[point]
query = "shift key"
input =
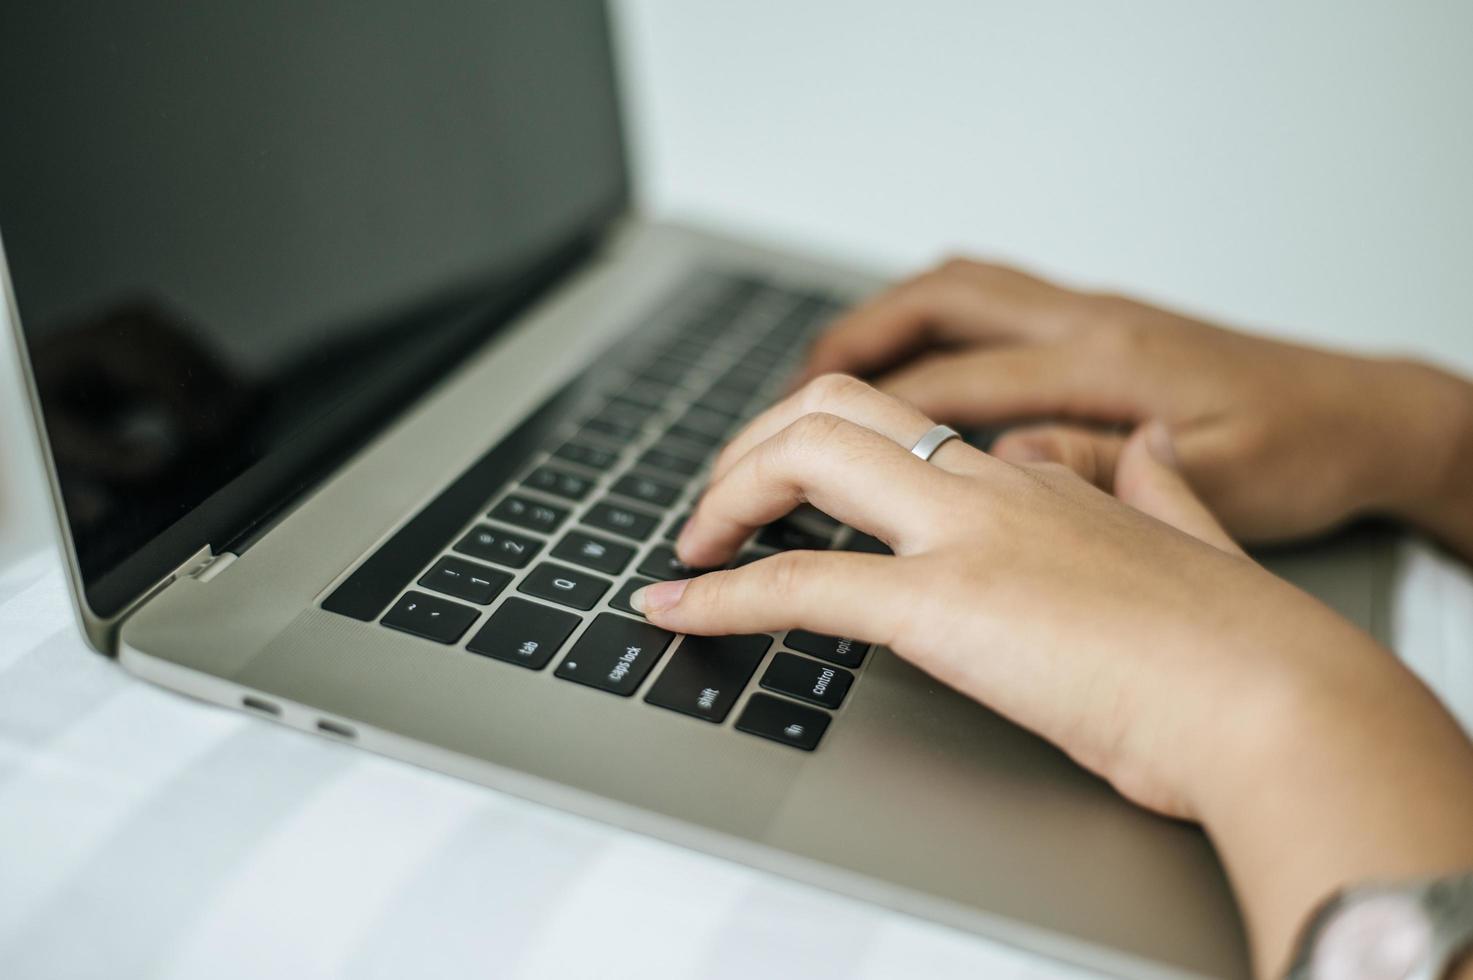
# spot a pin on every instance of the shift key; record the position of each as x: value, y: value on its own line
x: 707, y: 674
x: 615, y: 654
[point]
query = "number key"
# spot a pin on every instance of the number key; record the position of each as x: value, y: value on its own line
x: 465, y: 580
x: 649, y: 491
x: 621, y: 520
x: 559, y: 483
x: 529, y: 514
x: 594, y: 459
x: 502, y: 547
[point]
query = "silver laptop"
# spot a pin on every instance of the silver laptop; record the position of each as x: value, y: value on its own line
x: 367, y: 399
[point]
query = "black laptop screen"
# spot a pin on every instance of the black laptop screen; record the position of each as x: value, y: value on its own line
x: 242, y: 235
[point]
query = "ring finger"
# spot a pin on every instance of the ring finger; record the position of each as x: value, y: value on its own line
x: 852, y: 399
x: 845, y: 469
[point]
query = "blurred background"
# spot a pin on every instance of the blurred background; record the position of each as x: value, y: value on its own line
x: 1305, y: 167
x: 1300, y: 168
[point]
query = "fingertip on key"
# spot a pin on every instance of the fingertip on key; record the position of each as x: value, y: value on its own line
x: 659, y: 596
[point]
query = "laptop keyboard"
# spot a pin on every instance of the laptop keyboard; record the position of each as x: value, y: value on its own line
x: 601, y: 481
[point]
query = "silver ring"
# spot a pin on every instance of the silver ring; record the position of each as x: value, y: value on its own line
x: 933, y: 440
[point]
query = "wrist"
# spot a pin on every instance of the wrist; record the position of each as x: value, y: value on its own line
x: 1350, y: 771
x: 1422, y: 470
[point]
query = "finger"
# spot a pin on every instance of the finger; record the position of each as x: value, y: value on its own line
x: 985, y: 386
x: 1091, y: 453
x: 961, y: 301
x: 849, y: 472
x: 846, y: 397
x: 840, y: 593
x: 1148, y: 478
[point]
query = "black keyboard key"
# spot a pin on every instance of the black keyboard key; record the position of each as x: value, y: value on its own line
x: 859, y: 541
x: 703, y: 419
x: 646, y: 490
x: 625, y: 521
x: 696, y: 437
x: 661, y: 563
x: 662, y: 461
x: 558, y: 482
x: 783, y: 721
x: 502, y: 547
x: 524, y: 633
x: 589, y: 456
x: 529, y: 514
x: 676, y: 526
x: 685, y: 350
x: 565, y: 586
x: 465, y: 580
x: 650, y: 394
x: 593, y: 552
x: 788, y: 536
x: 683, y: 448
x: 626, y: 413
x: 706, y: 675
x: 725, y: 400
x: 809, y: 516
x: 764, y: 358
x: 747, y: 557
x: 741, y: 378
x: 615, y: 654
x: 608, y: 429
x: 807, y: 680
x: 430, y: 617
x: 621, y: 598
x: 835, y: 649
x: 664, y: 372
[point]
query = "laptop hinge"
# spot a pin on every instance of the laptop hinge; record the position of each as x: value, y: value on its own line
x: 210, y: 566
x: 201, y: 566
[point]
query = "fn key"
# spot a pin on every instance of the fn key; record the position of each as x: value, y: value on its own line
x: 783, y: 721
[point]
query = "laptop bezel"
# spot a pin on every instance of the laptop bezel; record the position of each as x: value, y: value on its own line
x: 231, y: 519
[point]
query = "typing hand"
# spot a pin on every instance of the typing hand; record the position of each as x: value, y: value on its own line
x: 1281, y: 441
x: 1138, y: 640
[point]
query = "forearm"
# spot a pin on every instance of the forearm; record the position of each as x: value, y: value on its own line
x: 1365, y: 781
x: 1433, y: 488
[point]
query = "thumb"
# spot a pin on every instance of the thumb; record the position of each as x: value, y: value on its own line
x: 1148, y: 478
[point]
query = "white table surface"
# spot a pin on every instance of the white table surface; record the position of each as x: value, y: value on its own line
x: 145, y: 834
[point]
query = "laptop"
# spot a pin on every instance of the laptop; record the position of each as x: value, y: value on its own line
x: 367, y: 397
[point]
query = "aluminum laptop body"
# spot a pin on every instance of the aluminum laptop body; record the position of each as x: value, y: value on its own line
x: 282, y: 600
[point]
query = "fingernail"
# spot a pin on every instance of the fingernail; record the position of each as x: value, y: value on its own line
x: 1158, y: 442
x: 659, y: 596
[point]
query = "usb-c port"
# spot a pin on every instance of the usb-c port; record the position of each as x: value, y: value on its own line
x: 262, y: 705
x: 335, y: 728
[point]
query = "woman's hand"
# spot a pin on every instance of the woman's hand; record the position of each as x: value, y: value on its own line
x: 1280, y: 441
x: 1147, y: 647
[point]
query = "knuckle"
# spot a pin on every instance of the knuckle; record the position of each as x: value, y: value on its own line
x: 1120, y: 339
x: 813, y: 431
x: 832, y: 390
x: 923, y: 286
x: 787, y: 572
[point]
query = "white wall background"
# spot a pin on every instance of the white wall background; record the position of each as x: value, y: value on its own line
x: 1302, y: 167
x: 1305, y: 167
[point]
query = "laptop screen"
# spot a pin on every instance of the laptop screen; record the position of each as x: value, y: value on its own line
x: 241, y: 236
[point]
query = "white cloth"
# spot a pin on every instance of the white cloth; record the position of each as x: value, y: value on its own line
x: 146, y: 835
